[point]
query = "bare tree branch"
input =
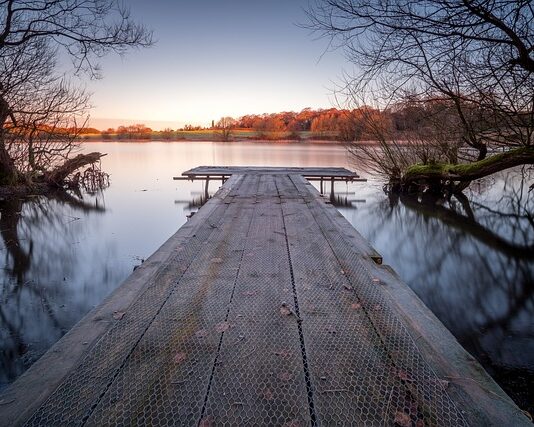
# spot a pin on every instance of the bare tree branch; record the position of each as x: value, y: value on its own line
x: 41, y: 111
x: 469, y: 64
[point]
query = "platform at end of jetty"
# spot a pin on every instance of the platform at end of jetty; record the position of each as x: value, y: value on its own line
x: 266, y: 308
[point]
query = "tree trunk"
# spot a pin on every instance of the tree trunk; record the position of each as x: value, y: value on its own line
x: 441, y: 175
x: 57, y: 176
x: 482, y: 152
x: 8, y: 171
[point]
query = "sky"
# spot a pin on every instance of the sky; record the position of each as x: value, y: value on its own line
x: 215, y: 58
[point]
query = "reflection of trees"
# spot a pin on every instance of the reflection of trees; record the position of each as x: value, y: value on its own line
x: 37, y: 247
x: 511, y: 271
x: 10, y: 212
x: 18, y: 216
x: 36, y: 213
x: 467, y: 223
x: 471, y: 260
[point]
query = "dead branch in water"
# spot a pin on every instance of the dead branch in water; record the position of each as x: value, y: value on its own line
x: 58, y: 176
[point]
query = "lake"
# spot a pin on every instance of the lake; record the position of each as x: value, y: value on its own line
x: 471, y: 261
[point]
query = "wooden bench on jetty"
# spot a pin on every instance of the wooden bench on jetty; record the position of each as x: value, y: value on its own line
x: 266, y: 308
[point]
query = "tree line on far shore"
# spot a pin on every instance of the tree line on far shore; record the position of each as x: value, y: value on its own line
x: 329, y: 124
x: 324, y: 124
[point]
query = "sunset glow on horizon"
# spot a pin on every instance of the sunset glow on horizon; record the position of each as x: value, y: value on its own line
x: 212, y: 60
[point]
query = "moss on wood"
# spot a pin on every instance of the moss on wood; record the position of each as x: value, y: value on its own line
x: 470, y: 171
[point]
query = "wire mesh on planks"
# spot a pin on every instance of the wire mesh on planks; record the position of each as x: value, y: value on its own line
x: 267, y: 316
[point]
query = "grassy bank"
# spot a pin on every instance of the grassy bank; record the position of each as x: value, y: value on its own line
x: 214, y: 135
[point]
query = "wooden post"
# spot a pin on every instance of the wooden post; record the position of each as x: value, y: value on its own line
x: 331, y: 187
x: 206, y: 194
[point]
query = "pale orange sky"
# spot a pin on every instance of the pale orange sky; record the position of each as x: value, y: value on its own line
x: 214, y: 59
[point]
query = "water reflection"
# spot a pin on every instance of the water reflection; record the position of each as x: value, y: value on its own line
x: 196, y: 201
x: 471, y: 260
x: 343, y: 201
x: 468, y: 223
x: 43, y: 284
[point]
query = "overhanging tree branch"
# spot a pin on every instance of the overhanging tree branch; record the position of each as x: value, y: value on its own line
x: 40, y: 110
x: 469, y: 64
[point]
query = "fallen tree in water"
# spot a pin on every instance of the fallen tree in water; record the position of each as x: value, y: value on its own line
x: 82, y: 172
x: 436, y: 177
x: 433, y: 156
x: 58, y: 176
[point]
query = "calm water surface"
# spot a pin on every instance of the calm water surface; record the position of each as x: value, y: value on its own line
x: 472, y: 263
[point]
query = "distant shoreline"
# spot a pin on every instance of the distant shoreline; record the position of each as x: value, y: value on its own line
x: 237, y: 135
x: 99, y: 139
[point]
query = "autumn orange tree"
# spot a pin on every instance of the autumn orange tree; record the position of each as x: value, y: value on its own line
x: 343, y: 125
x: 225, y: 127
x: 135, y: 131
x: 37, y: 102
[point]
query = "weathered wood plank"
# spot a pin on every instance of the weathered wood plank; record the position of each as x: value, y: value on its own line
x: 259, y: 377
x: 32, y: 389
x: 418, y: 394
x: 438, y: 354
x: 170, y: 368
x: 352, y: 375
x: 72, y: 402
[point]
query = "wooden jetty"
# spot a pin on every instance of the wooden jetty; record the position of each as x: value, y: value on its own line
x: 266, y: 308
x: 221, y: 173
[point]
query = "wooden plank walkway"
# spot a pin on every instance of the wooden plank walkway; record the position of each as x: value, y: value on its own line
x: 265, y: 309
